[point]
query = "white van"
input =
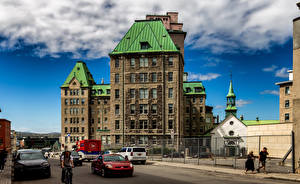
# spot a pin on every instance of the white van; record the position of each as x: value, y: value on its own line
x: 134, y: 154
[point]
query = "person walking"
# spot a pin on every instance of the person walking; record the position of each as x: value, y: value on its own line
x: 249, y: 165
x: 262, y: 159
x: 2, y: 160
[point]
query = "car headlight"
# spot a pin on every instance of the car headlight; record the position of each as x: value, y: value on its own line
x: 131, y: 165
x: 45, y: 164
x: 109, y: 166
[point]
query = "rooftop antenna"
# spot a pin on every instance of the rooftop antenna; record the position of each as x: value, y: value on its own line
x: 231, y: 75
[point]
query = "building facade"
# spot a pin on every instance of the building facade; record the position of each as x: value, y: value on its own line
x: 148, y: 97
x: 286, y: 96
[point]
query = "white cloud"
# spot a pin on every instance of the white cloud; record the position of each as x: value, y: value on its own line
x: 241, y: 102
x: 92, y: 28
x: 270, y: 69
x: 202, y: 77
x: 270, y: 92
x: 282, y: 73
x: 219, y: 107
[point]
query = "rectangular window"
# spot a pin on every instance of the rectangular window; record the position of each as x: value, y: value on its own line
x: 82, y: 92
x: 201, y: 99
x: 132, y: 124
x: 82, y: 120
x: 66, y: 101
x: 287, y: 90
x: 187, y: 109
x: 143, y: 62
x: 66, y: 92
x: 143, y: 77
x: 66, y: 129
x: 143, y: 109
x: 170, y: 94
x: 108, y: 92
x: 287, y: 104
x: 194, y: 110
x: 154, y: 124
x: 117, y: 124
x: 66, y: 139
x: 154, y: 61
x: 117, y: 139
x: 71, y: 92
x: 154, y: 93
x: 143, y: 124
x: 82, y: 110
x: 197, y: 89
x: 143, y: 93
x: 66, y: 120
x: 82, y: 101
x: 117, y: 109
x: 132, y: 62
x: 170, y: 76
x: 170, y: 124
x: 132, y: 77
x: 132, y: 93
x: 154, y: 77
x: 132, y: 108
x: 117, y: 76
x: 287, y: 117
x: 117, y: 63
x: 170, y: 63
x: 117, y: 93
x: 154, y: 109
x: 170, y: 108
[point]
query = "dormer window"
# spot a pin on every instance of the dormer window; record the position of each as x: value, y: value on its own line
x: 100, y: 92
x: 188, y: 90
x: 145, y: 45
x: 108, y: 91
x: 197, y: 89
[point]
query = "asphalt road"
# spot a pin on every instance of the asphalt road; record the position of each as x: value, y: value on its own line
x: 149, y: 174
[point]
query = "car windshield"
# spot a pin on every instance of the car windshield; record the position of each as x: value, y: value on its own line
x: 139, y: 150
x: 74, y: 153
x: 114, y: 158
x: 31, y: 156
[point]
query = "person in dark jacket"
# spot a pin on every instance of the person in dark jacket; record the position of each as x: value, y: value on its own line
x: 262, y: 159
x: 2, y: 159
x: 249, y: 165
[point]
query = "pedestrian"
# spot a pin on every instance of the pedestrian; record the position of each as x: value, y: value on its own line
x: 262, y: 159
x: 2, y: 159
x: 249, y: 165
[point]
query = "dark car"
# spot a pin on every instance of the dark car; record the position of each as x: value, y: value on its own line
x: 30, y: 162
x: 76, y: 158
x: 112, y: 164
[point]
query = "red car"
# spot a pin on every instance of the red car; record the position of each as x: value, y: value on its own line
x: 112, y: 164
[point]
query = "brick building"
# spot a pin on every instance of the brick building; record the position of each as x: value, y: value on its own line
x: 148, y: 97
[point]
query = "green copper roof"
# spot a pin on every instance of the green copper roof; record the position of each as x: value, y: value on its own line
x: 189, y: 88
x: 100, y: 90
x: 230, y: 92
x: 260, y: 122
x: 82, y: 74
x: 151, y: 32
x: 230, y: 107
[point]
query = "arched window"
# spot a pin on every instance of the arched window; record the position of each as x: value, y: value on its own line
x: 231, y: 133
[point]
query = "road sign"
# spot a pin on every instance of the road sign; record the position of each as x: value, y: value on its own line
x: 69, y: 135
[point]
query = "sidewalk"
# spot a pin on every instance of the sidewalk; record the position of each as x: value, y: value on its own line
x: 287, y: 177
x: 5, y: 175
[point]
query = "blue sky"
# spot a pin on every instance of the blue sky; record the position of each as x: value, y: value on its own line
x: 38, y: 50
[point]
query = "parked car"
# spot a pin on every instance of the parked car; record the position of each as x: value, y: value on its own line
x: 111, y: 164
x: 76, y: 158
x: 134, y: 154
x: 28, y: 161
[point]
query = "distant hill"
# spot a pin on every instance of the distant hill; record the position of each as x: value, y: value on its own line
x: 32, y: 134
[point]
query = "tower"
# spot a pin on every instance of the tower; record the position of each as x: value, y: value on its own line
x: 230, y: 105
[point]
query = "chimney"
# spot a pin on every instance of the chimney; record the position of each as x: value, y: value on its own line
x: 257, y: 118
x: 174, y: 16
x: 185, y: 76
x: 242, y: 117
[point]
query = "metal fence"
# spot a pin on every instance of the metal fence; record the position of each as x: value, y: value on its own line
x: 223, y: 151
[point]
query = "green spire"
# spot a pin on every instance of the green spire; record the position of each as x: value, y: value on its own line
x: 230, y: 91
x: 230, y: 106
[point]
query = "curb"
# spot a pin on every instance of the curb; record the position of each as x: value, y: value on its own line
x: 226, y: 171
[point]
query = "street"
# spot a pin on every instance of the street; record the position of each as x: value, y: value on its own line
x: 150, y: 174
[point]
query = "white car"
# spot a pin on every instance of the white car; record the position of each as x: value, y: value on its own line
x: 134, y: 154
